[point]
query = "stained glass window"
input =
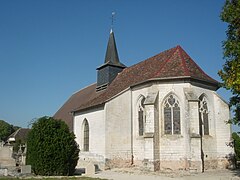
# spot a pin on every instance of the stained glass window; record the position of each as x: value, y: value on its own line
x: 141, y: 118
x: 172, y: 123
x: 203, y: 109
x: 86, y: 136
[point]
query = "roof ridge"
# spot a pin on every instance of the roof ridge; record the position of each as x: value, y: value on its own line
x: 84, y: 88
x: 172, y: 53
x: 149, y: 58
x: 186, y: 70
x: 201, y: 70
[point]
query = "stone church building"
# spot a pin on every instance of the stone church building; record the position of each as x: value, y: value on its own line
x: 159, y: 114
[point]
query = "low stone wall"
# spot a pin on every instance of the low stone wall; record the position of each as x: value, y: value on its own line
x: 15, y: 170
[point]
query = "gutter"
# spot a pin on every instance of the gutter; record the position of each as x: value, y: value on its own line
x: 214, y: 86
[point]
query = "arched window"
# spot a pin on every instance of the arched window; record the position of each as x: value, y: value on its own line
x: 85, y: 135
x: 203, y: 115
x: 141, y: 117
x: 172, y: 122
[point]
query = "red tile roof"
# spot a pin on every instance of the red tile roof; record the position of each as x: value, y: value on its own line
x: 20, y: 134
x: 169, y: 65
x: 78, y: 98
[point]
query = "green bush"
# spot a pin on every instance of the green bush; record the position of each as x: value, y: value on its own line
x: 236, y: 139
x: 51, y: 148
x: 6, y: 130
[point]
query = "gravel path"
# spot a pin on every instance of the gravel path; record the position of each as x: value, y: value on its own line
x: 123, y: 174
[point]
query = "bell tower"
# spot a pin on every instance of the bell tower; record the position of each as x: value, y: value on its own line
x: 107, y: 72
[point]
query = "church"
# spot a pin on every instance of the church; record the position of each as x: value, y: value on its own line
x: 162, y: 113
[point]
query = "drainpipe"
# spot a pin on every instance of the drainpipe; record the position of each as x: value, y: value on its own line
x: 201, y: 140
x: 132, y: 157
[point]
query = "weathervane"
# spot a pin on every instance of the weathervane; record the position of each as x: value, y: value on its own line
x: 113, y: 18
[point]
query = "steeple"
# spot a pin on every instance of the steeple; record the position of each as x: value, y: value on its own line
x: 111, y: 56
x: 111, y: 67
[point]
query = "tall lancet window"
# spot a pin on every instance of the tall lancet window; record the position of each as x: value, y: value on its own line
x: 172, y: 122
x: 141, y: 117
x: 203, y: 115
x: 85, y: 135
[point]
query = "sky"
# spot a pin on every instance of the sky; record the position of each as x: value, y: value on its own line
x: 50, y: 49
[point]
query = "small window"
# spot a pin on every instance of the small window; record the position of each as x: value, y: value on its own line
x: 141, y: 117
x: 86, y: 136
x: 203, y: 115
x: 172, y: 123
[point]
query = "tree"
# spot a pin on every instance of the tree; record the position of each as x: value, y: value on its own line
x: 6, y: 130
x: 51, y: 148
x: 230, y: 74
x: 236, y: 144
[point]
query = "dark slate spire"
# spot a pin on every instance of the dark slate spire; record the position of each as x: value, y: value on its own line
x: 111, y: 56
x: 111, y: 67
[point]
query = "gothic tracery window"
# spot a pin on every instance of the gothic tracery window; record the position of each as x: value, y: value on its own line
x: 172, y: 124
x: 85, y: 136
x: 141, y: 117
x: 203, y: 115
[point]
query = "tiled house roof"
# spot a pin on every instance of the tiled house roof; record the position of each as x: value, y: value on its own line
x: 78, y: 98
x: 20, y: 134
x: 172, y: 64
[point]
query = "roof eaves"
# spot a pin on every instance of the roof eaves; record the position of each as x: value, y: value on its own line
x: 87, y: 108
x: 214, y: 84
x: 118, y: 94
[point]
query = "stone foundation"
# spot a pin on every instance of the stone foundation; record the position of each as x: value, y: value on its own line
x: 226, y: 163
x: 166, y: 166
x: 177, y: 165
x: 118, y: 163
x: 148, y: 165
x: 86, y: 158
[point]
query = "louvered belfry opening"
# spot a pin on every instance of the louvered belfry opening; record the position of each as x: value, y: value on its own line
x: 107, y: 72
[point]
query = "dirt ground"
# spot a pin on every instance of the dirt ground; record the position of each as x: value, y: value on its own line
x: 123, y: 174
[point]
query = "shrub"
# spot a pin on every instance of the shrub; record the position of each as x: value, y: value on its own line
x: 51, y: 148
x: 236, y: 139
x: 6, y: 130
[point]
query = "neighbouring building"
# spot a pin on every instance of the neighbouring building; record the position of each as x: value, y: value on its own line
x: 162, y: 113
x: 20, y: 135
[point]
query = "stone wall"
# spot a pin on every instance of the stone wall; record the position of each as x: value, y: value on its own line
x: 6, y: 158
x: 115, y: 137
x: 118, y: 128
x: 96, y: 122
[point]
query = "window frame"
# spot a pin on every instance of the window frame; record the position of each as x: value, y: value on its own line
x: 204, y: 115
x: 141, y: 119
x: 171, y: 108
x: 85, y: 135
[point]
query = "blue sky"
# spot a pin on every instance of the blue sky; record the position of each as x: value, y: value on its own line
x: 50, y: 49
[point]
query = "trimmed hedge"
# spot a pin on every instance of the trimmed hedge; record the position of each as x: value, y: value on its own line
x: 51, y: 148
x: 236, y: 139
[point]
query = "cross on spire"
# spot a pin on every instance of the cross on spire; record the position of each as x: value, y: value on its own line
x: 112, y: 19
